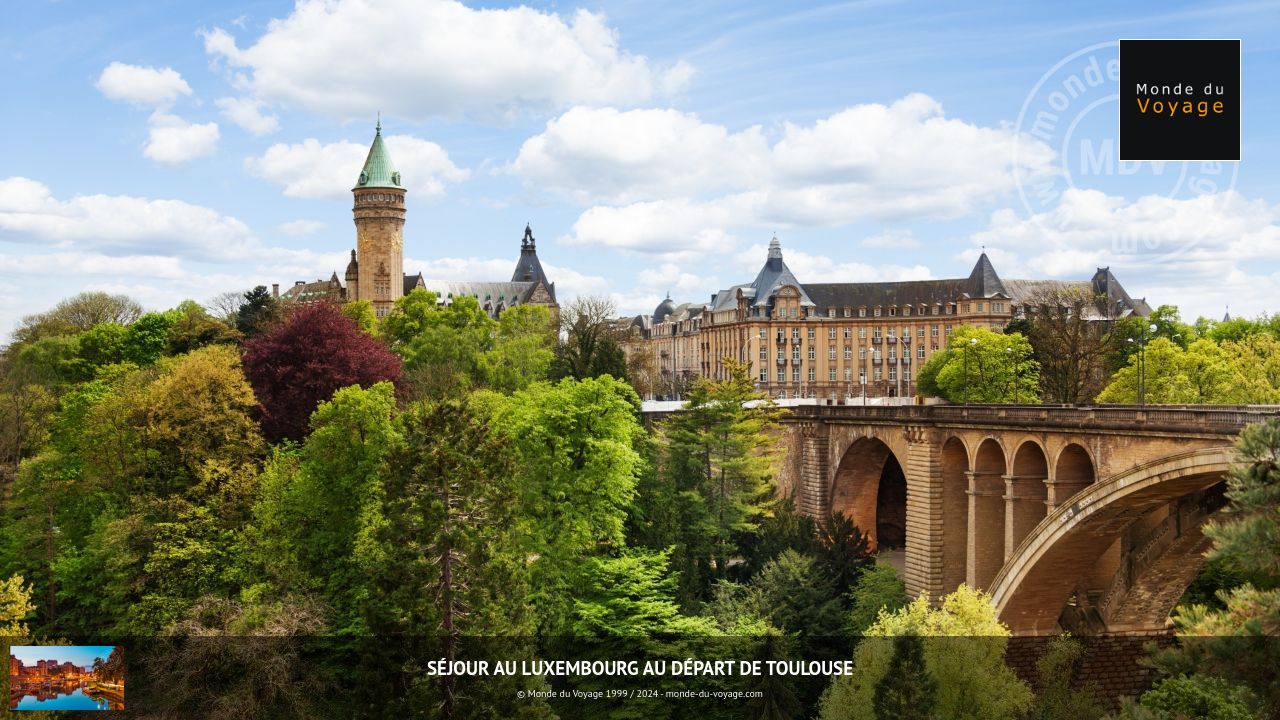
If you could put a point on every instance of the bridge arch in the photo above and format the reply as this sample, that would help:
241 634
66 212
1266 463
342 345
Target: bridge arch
955 512
1027 493
1033 587
870 488
1073 470
986 512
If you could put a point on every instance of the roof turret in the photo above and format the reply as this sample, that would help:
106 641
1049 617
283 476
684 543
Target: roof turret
378 171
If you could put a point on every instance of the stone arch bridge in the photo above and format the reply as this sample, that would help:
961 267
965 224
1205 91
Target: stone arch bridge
1086 519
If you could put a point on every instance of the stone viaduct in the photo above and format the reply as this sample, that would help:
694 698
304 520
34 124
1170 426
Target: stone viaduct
1086 519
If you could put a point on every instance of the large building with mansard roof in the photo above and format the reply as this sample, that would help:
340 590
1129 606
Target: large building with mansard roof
837 340
376 270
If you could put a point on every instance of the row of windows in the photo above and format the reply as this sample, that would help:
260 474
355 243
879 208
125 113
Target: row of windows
848 353
791 310
810 333
877 376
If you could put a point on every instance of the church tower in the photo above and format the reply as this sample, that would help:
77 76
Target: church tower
378 265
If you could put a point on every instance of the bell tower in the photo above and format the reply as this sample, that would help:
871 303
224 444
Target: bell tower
379 217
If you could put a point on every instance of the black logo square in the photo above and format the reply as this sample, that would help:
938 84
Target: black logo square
1179 100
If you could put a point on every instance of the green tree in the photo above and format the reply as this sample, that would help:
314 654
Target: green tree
1197 698
843 550
1237 643
630 595
964 646
796 595
442 345
1166 377
983 366
1255 366
1055 698
101 345
907 689
522 349
193 327
878 589
15 606
720 458
257 311
575 477
147 338
361 311
590 347
78 313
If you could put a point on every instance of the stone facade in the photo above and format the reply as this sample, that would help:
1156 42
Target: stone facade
379 217
834 340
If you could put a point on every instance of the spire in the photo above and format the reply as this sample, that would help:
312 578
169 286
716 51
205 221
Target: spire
1226 317
378 170
983 281
527 241
775 248
528 268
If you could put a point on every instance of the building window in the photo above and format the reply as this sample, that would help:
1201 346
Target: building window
875 334
812 375
764 375
764 353
920 331
848 333
795 334
877 312
893 374
934 348
862 312
906 375
813 352
782 376
764 334
997 307
862 333
848 373
831 312
878 375
831 375
848 353
862 353
893 311
831 353
831 333
933 331
811 333
795 353
920 351
948 332
906 310
979 307
795 375
862 376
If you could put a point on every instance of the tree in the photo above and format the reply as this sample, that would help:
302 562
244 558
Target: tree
963 647
630 595
193 327
1070 341
147 338
444 534
844 552
590 348
442 345
1255 368
15 606
1237 643
1165 380
78 313
720 459
907 689
794 594
994 368
878 589
300 363
257 312
575 477
522 349
1196 697
1055 698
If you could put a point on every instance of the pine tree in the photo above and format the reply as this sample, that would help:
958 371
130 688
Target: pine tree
907 689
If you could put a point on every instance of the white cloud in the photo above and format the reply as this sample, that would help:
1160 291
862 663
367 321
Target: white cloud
1187 251
174 141
674 279
892 240
142 85
248 114
619 157
810 268
300 227
665 179
313 170
118 224
347 58
96 264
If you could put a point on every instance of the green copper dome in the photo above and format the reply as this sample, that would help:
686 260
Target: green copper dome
378 171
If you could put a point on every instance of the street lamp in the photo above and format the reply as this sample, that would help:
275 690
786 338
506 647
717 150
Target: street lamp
972 342
1142 362
1013 375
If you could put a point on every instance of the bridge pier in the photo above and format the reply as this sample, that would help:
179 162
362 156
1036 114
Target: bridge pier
986 526
926 524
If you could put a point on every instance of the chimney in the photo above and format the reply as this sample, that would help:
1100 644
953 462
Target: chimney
275 289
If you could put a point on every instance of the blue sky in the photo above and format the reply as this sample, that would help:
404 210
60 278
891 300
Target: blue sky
170 150
80 655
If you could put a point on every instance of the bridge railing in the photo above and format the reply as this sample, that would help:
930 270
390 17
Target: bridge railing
1210 418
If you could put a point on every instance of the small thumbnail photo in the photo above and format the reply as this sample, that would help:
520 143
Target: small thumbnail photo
66 677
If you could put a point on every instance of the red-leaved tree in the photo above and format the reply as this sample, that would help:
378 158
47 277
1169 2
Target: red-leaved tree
301 362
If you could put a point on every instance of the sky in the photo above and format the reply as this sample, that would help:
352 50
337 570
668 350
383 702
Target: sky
79 655
171 150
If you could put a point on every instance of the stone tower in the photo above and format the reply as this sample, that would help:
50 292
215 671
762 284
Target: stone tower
378 265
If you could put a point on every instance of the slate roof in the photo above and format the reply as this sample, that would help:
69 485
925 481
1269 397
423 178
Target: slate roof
378 172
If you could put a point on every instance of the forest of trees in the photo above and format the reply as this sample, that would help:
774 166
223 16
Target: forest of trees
309 504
